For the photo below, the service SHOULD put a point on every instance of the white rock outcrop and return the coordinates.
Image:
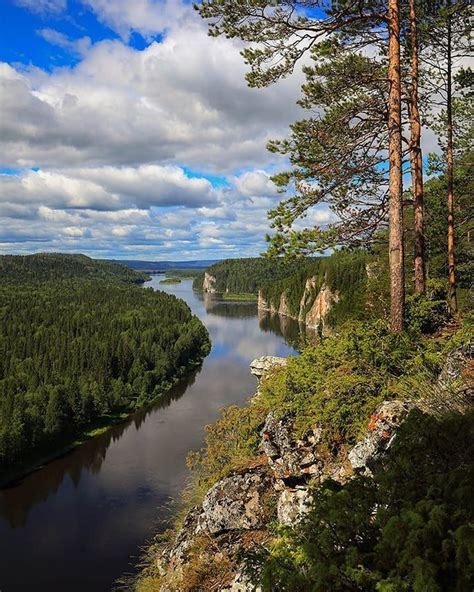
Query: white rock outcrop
(209, 284)
(261, 366)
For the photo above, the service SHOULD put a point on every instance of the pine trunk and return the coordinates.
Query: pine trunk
(452, 298)
(416, 158)
(397, 274)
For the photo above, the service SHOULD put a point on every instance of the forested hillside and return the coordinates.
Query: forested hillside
(15, 269)
(74, 350)
(344, 274)
(351, 469)
(246, 276)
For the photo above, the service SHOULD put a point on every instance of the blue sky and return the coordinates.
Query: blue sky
(128, 132)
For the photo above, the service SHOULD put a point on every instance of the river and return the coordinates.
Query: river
(78, 523)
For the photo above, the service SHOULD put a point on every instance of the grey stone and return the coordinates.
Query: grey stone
(292, 505)
(241, 583)
(382, 431)
(234, 503)
(261, 366)
(287, 457)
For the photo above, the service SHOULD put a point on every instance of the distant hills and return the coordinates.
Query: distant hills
(47, 267)
(157, 266)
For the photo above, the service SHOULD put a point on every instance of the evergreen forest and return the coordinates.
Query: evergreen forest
(78, 350)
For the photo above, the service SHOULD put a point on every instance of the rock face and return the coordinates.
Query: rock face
(457, 362)
(321, 307)
(381, 434)
(236, 510)
(314, 305)
(292, 461)
(234, 503)
(209, 284)
(292, 505)
(241, 583)
(261, 366)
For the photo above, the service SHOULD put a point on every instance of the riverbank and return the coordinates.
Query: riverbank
(96, 428)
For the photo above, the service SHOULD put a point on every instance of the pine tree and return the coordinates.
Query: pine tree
(447, 29)
(284, 32)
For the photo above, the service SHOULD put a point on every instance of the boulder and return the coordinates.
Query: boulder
(455, 364)
(241, 583)
(289, 458)
(381, 432)
(292, 505)
(261, 366)
(235, 503)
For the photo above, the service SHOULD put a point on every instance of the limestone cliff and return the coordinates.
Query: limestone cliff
(239, 511)
(315, 304)
(209, 284)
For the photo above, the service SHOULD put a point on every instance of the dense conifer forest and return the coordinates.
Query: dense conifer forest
(246, 276)
(15, 269)
(77, 349)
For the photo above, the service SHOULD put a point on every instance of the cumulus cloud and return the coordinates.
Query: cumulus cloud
(183, 100)
(148, 17)
(108, 188)
(255, 183)
(104, 147)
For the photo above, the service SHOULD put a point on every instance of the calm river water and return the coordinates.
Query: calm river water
(78, 523)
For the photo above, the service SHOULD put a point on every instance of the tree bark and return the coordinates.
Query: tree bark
(416, 157)
(452, 298)
(397, 273)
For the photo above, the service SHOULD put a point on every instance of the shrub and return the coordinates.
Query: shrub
(427, 313)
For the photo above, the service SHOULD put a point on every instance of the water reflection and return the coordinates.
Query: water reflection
(89, 512)
(17, 500)
(295, 334)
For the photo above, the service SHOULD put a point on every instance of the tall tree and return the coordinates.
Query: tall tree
(448, 31)
(338, 154)
(284, 31)
(396, 253)
(415, 153)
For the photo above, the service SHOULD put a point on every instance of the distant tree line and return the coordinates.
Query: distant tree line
(58, 266)
(246, 276)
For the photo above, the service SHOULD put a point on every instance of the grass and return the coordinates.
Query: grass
(246, 297)
(171, 280)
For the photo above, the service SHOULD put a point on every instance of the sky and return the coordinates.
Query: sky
(127, 132)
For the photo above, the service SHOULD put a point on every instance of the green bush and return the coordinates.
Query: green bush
(427, 313)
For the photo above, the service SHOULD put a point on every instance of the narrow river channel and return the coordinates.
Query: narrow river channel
(78, 523)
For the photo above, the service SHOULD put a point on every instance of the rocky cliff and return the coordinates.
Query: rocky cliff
(237, 510)
(209, 284)
(315, 304)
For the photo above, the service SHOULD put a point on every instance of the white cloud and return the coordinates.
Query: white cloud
(43, 6)
(148, 17)
(255, 183)
(108, 188)
(76, 46)
(105, 146)
(183, 100)
(73, 231)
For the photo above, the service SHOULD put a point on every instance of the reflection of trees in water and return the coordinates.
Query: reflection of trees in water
(226, 308)
(296, 334)
(17, 501)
